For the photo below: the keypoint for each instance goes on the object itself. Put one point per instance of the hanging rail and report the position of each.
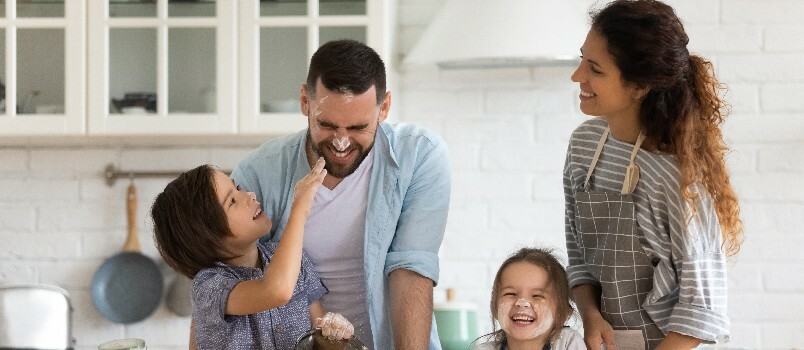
(111, 173)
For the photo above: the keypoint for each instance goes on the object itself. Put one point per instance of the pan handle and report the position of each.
(132, 241)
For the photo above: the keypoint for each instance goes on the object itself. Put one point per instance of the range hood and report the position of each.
(503, 33)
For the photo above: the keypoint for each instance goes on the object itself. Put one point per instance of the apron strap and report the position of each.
(599, 149)
(632, 171)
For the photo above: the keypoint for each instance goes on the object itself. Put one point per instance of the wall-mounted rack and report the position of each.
(111, 173)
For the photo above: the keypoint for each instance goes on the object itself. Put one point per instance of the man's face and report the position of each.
(342, 126)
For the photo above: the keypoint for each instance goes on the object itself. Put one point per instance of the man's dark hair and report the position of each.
(347, 66)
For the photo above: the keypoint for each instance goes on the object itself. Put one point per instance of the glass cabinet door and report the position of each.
(42, 53)
(162, 67)
(277, 39)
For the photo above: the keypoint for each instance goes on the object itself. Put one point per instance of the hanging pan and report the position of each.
(127, 287)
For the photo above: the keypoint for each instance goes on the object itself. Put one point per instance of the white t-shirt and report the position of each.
(334, 238)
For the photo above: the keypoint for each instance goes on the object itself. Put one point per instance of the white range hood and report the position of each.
(503, 33)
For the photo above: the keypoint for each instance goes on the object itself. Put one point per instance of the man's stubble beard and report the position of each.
(339, 171)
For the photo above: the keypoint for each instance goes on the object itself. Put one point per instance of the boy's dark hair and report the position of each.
(558, 284)
(347, 66)
(189, 222)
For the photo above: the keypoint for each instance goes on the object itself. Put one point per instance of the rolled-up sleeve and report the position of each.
(701, 308)
(210, 295)
(423, 218)
(702, 282)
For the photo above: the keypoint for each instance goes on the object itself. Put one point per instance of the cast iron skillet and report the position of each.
(127, 287)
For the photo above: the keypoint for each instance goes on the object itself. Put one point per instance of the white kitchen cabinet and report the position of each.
(162, 67)
(169, 67)
(277, 39)
(42, 67)
(215, 67)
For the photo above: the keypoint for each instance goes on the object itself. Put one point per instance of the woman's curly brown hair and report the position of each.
(683, 110)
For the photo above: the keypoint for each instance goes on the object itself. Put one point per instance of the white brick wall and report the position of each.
(507, 131)
(59, 221)
(508, 135)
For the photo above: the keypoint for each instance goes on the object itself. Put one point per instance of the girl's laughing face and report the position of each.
(525, 306)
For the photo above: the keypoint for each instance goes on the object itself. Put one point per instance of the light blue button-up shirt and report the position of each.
(407, 206)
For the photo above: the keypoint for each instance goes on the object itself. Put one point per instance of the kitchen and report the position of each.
(507, 129)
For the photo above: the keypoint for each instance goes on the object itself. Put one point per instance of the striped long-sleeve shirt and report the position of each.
(689, 282)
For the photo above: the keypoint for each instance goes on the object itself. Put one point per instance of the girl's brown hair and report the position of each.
(190, 224)
(558, 285)
(683, 110)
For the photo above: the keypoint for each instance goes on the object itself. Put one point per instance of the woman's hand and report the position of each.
(304, 193)
(597, 331)
(334, 326)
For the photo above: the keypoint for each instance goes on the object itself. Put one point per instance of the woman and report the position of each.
(650, 212)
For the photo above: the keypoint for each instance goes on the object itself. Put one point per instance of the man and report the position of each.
(377, 223)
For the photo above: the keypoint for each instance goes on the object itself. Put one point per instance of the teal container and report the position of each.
(456, 324)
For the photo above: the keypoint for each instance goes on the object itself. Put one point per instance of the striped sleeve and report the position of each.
(701, 308)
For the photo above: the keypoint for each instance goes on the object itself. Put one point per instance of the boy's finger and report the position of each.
(319, 164)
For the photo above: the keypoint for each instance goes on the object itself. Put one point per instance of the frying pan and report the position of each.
(128, 286)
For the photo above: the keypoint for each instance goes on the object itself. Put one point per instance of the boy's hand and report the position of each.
(334, 326)
(305, 190)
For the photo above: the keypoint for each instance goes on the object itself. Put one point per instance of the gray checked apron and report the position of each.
(607, 235)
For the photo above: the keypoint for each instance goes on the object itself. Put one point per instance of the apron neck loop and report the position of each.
(630, 180)
(599, 149)
(637, 145)
(632, 171)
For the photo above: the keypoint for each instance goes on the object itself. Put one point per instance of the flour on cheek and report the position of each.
(502, 316)
(541, 325)
(544, 319)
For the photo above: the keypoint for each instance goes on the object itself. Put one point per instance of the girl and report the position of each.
(530, 302)
(650, 213)
(245, 294)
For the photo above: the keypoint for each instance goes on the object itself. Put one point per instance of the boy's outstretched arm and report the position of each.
(280, 276)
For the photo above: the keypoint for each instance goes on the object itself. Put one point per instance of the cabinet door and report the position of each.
(42, 67)
(277, 39)
(162, 67)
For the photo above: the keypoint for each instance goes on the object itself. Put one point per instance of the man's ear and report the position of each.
(385, 107)
(304, 102)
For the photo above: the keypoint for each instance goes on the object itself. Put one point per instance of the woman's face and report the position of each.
(603, 91)
(525, 306)
(247, 221)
